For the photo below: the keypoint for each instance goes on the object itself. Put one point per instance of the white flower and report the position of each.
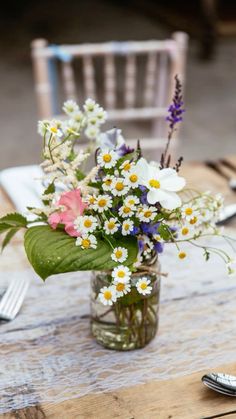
(91, 200)
(107, 181)
(72, 127)
(157, 237)
(119, 254)
(111, 226)
(122, 288)
(143, 286)
(107, 158)
(119, 187)
(93, 121)
(103, 202)
(188, 211)
(91, 132)
(121, 273)
(90, 107)
(162, 184)
(185, 232)
(125, 211)
(131, 200)
(54, 127)
(111, 139)
(126, 166)
(127, 227)
(85, 224)
(70, 107)
(78, 117)
(148, 246)
(146, 213)
(182, 255)
(132, 177)
(107, 295)
(87, 241)
(42, 127)
(101, 115)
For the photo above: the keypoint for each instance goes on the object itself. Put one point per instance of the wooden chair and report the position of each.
(145, 97)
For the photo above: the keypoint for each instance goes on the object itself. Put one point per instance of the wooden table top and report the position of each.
(183, 397)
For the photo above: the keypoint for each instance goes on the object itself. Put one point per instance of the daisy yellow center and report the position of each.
(87, 223)
(54, 129)
(120, 286)
(193, 220)
(107, 158)
(126, 227)
(108, 182)
(118, 254)
(131, 202)
(121, 274)
(188, 211)
(127, 166)
(119, 186)
(102, 202)
(86, 243)
(143, 285)
(92, 200)
(182, 255)
(185, 231)
(154, 183)
(147, 214)
(133, 178)
(111, 225)
(107, 295)
(126, 210)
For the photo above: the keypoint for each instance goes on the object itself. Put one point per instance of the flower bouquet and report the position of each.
(114, 220)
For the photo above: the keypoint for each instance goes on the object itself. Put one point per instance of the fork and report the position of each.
(13, 298)
(215, 166)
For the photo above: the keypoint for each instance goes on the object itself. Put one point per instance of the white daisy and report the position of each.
(70, 107)
(143, 286)
(119, 187)
(90, 107)
(107, 181)
(122, 288)
(111, 226)
(101, 115)
(132, 177)
(126, 166)
(119, 254)
(121, 273)
(91, 132)
(127, 227)
(188, 211)
(87, 241)
(162, 184)
(131, 200)
(91, 200)
(107, 295)
(72, 127)
(85, 224)
(146, 213)
(78, 117)
(182, 255)
(185, 232)
(54, 127)
(126, 211)
(103, 202)
(107, 158)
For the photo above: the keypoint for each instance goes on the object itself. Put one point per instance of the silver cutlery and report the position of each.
(221, 383)
(226, 214)
(215, 166)
(13, 298)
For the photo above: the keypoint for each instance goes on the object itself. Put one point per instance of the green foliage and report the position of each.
(10, 224)
(80, 175)
(52, 252)
(50, 189)
(165, 232)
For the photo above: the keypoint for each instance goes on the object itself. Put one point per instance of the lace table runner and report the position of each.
(48, 354)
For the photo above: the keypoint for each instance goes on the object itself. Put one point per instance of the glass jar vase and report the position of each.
(132, 321)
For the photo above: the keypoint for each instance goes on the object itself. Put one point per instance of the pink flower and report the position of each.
(74, 206)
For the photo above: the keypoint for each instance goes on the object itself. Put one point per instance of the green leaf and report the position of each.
(9, 236)
(164, 232)
(4, 227)
(50, 189)
(80, 175)
(14, 220)
(52, 252)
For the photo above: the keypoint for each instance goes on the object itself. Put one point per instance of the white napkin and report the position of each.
(23, 186)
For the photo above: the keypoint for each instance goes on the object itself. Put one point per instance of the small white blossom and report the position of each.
(126, 166)
(119, 254)
(132, 177)
(107, 295)
(90, 107)
(87, 241)
(121, 273)
(119, 187)
(122, 288)
(91, 132)
(107, 158)
(85, 224)
(111, 226)
(131, 200)
(70, 107)
(126, 211)
(143, 286)
(146, 213)
(127, 227)
(107, 181)
(185, 232)
(103, 202)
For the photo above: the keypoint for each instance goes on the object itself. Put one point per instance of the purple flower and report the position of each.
(123, 150)
(140, 245)
(176, 108)
(149, 228)
(135, 231)
(159, 247)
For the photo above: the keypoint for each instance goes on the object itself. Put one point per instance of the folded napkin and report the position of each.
(23, 186)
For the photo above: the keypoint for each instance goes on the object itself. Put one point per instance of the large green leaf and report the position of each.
(52, 252)
(14, 220)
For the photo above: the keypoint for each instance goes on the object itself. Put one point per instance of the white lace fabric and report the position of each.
(48, 354)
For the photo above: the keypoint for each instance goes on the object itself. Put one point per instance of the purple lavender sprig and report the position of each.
(176, 111)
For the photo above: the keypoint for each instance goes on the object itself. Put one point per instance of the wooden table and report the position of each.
(183, 397)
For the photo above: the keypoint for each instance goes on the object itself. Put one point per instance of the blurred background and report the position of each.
(209, 128)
